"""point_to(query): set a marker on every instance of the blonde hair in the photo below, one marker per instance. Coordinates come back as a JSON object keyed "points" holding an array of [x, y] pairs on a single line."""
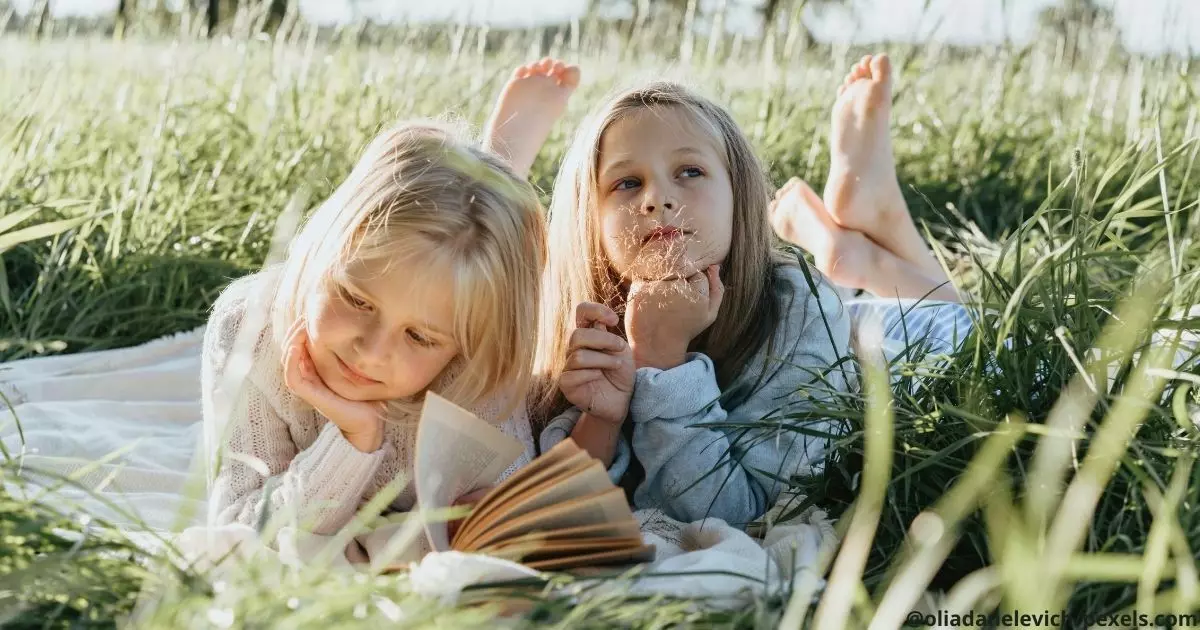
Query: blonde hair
{"points": [[579, 271], [421, 189]]}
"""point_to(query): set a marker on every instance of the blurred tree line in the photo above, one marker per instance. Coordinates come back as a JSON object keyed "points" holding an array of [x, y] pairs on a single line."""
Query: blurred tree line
{"points": [[782, 30]]}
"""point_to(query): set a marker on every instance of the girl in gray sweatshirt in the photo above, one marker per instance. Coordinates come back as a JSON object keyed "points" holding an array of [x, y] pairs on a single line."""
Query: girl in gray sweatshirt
{"points": [[675, 337]]}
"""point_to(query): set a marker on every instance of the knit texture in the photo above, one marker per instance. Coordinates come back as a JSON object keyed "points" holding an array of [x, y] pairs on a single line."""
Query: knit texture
{"points": [[281, 456]]}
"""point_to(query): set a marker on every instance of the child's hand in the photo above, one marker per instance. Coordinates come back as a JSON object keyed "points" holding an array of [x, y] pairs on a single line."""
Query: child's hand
{"points": [[361, 422], [469, 498], [664, 316], [599, 373]]}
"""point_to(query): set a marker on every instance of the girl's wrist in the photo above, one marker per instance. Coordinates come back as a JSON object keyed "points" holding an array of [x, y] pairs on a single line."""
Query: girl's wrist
{"points": [[597, 436], [367, 442], [663, 356]]}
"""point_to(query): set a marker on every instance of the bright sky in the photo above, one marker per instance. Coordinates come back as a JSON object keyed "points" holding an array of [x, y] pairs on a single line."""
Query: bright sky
{"points": [[1146, 25]]}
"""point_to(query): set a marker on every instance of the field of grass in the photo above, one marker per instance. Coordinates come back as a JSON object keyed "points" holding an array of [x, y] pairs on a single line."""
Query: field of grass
{"points": [[137, 178]]}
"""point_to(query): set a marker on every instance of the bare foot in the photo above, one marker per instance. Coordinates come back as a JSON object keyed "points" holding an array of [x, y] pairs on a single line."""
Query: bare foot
{"points": [[532, 101], [848, 257], [862, 192], [862, 188], [799, 217]]}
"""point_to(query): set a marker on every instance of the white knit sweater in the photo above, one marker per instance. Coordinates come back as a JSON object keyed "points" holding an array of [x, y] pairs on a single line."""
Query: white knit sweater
{"points": [[311, 470]]}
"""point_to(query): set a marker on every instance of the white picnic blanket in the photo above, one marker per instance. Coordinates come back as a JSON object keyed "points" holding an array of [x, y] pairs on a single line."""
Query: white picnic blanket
{"points": [[124, 429]]}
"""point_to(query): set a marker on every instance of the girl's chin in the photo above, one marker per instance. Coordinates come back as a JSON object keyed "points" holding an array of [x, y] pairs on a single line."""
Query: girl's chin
{"points": [[682, 268]]}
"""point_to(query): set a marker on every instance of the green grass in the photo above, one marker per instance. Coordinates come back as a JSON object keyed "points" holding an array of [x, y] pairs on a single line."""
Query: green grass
{"points": [[1054, 192]]}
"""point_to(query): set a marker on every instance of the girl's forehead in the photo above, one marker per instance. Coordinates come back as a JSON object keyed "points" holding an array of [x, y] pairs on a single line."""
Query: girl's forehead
{"points": [[660, 121], [657, 128]]}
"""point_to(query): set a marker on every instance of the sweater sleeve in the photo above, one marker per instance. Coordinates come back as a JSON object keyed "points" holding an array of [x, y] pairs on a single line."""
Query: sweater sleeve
{"points": [[260, 471], [517, 426], [560, 429], [694, 471]]}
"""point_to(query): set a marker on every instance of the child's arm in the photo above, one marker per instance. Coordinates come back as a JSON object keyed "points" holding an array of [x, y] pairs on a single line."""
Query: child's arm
{"points": [[695, 471], [532, 100], [568, 425], [262, 472]]}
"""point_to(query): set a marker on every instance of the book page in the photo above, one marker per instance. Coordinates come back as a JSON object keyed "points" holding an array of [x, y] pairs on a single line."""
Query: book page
{"points": [[644, 553], [496, 502], [561, 549], [589, 480], [604, 507], [560, 452], [627, 529], [456, 453]]}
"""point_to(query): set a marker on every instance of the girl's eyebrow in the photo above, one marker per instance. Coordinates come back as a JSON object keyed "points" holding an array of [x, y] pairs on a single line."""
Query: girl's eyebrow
{"points": [[614, 166], [437, 331], [685, 150]]}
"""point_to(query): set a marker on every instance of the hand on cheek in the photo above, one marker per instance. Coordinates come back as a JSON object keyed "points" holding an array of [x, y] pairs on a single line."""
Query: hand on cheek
{"points": [[662, 317], [361, 422]]}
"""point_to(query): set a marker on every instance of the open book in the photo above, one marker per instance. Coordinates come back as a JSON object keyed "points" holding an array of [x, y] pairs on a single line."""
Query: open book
{"points": [[560, 512]]}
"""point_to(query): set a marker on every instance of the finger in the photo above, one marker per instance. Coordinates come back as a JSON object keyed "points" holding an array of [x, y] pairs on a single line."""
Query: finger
{"points": [[593, 339], [291, 369], [589, 313], [294, 331], [716, 289], [307, 368], [592, 360], [574, 379], [698, 283]]}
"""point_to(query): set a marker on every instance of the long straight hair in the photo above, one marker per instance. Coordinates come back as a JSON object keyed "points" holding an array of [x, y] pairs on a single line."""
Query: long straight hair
{"points": [[578, 269]]}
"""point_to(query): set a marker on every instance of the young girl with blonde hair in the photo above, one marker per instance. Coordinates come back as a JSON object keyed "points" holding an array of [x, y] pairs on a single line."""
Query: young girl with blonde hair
{"points": [[420, 273], [667, 308]]}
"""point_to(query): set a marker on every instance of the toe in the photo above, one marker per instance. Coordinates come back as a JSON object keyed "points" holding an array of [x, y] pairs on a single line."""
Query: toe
{"points": [[544, 64], [523, 72], [881, 68], [570, 76]]}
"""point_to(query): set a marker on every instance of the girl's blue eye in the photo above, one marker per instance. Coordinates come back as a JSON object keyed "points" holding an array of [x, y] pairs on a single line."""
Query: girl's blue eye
{"points": [[692, 171], [621, 184]]}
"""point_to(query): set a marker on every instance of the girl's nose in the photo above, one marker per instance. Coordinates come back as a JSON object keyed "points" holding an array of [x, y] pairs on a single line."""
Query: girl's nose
{"points": [[655, 202], [374, 347]]}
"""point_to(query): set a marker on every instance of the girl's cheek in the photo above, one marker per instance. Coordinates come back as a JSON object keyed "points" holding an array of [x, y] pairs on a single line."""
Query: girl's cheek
{"points": [[325, 322]]}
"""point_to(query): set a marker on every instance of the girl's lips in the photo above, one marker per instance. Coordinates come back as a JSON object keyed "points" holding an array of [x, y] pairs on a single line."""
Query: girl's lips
{"points": [[663, 233], [353, 375]]}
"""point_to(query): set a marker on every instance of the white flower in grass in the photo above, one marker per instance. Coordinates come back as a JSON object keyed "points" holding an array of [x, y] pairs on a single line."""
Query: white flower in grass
{"points": [[220, 617]]}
